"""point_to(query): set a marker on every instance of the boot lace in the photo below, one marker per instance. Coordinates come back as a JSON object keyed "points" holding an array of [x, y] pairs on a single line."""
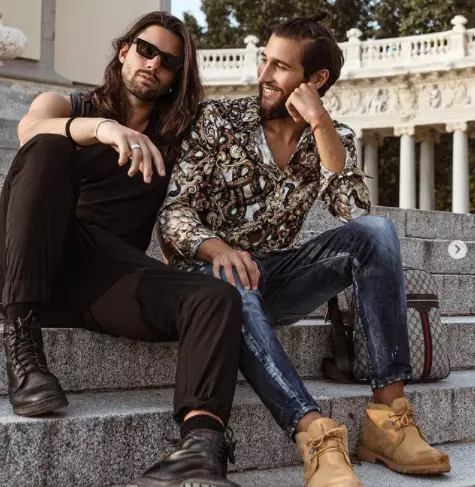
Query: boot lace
{"points": [[403, 419], [26, 348], [319, 446]]}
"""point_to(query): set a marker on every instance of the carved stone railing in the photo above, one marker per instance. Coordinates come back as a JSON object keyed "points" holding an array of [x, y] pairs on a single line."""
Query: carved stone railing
{"points": [[12, 42], [230, 66], [371, 58]]}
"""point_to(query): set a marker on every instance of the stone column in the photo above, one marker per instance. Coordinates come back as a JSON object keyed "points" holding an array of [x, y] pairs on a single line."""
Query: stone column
{"points": [[460, 170], [165, 5], [407, 167], [427, 173], [371, 166]]}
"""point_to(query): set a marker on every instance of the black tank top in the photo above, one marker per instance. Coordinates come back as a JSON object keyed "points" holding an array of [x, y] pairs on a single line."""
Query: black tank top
{"points": [[110, 199]]}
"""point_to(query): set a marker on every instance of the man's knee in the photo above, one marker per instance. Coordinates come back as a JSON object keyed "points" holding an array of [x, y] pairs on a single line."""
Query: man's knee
{"points": [[220, 292], [49, 150], [376, 228], [227, 293], [51, 141], [244, 293]]}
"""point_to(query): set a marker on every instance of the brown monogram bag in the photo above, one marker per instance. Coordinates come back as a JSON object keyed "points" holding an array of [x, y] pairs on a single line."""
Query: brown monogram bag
{"points": [[427, 334]]}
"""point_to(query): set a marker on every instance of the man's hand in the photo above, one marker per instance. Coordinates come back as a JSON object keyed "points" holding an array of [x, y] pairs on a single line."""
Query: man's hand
{"points": [[305, 104], [246, 268], [122, 139]]}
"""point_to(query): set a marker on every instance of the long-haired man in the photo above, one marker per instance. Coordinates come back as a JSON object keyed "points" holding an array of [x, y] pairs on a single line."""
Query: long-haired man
{"points": [[77, 212]]}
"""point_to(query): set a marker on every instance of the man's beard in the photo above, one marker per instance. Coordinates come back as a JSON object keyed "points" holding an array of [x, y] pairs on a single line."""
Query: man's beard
{"points": [[143, 93], [272, 113]]}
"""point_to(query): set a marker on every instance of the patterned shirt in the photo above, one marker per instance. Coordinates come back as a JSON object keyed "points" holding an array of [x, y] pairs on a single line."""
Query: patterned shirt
{"points": [[226, 185]]}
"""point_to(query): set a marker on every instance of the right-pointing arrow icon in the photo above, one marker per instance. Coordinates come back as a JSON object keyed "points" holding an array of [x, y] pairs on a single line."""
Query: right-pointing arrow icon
{"points": [[458, 249]]}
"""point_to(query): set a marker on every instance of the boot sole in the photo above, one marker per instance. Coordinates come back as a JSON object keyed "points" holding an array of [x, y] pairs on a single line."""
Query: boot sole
{"points": [[42, 407], [369, 456]]}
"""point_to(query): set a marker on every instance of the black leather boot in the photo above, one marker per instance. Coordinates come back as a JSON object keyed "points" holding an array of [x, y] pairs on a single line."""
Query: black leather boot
{"points": [[33, 390], [200, 461]]}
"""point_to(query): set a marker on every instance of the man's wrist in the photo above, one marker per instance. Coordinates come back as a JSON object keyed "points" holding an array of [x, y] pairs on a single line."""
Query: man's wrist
{"points": [[100, 122], [318, 119], [211, 248]]}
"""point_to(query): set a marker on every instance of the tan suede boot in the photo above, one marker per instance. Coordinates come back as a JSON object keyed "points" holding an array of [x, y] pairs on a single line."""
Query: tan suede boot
{"points": [[391, 436], [325, 453]]}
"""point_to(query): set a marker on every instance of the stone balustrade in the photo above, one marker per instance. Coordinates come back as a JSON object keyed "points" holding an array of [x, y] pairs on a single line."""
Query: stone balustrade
{"points": [[371, 58], [12, 42]]}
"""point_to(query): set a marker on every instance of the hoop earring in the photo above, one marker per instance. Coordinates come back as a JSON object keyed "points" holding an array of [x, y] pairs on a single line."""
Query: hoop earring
{"points": [[170, 90]]}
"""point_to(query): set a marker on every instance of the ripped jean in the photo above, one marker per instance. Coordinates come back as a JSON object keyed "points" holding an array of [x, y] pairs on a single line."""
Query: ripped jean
{"points": [[366, 253]]}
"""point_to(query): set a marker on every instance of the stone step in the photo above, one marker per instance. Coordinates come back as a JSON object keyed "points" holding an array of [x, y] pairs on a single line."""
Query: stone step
{"points": [[409, 223], [433, 256], [461, 475], [16, 96], [109, 438], [6, 159], [85, 361], [8, 134], [15, 99], [456, 295]]}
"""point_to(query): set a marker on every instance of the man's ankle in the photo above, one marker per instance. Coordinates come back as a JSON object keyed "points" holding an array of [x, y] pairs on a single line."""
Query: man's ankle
{"points": [[307, 420], [202, 421], [386, 395]]}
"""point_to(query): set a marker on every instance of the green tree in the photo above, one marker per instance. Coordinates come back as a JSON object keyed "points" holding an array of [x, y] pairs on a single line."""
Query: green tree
{"points": [[194, 28], [413, 17], [230, 21]]}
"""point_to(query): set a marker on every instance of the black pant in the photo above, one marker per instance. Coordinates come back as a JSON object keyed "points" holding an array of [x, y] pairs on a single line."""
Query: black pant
{"points": [[80, 273]]}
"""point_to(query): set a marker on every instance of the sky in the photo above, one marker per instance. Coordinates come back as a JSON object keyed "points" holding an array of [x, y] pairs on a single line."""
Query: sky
{"points": [[193, 6]]}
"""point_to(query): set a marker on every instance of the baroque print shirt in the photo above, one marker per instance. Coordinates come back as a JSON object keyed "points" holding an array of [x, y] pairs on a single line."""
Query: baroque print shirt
{"points": [[226, 185]]}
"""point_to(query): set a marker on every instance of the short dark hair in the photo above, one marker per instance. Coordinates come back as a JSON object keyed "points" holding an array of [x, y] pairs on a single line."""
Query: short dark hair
{"points": [[321, 50]]}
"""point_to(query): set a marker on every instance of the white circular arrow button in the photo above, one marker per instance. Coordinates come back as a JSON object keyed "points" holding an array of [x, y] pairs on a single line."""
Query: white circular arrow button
{"points": [[458, 249]]}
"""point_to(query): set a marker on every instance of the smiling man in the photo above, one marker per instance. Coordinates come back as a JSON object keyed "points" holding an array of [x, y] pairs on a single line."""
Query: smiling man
{"points": [[78, 209], [248, 176]]}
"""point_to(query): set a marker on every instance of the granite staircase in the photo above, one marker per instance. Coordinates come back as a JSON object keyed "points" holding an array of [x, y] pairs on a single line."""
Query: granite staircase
{"points": [[120, 391]]}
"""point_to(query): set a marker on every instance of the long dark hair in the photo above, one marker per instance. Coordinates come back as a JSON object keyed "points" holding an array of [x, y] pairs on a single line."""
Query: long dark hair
{"points": [[321, 50], [173, 112]]}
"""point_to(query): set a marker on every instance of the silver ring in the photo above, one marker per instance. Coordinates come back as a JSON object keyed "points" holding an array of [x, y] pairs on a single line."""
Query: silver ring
{"points": [[135, 146]]}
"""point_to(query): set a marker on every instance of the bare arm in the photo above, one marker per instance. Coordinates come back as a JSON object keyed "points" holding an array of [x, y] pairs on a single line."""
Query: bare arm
{"points": [[211, 248], [305, 104], [332, 152], [49, 113]]}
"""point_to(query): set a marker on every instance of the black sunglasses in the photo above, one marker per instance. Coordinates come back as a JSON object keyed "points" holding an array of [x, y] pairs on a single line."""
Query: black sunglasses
{"points": [[149, 51]]}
